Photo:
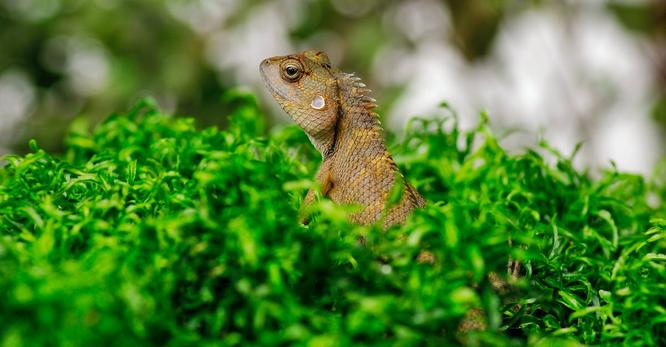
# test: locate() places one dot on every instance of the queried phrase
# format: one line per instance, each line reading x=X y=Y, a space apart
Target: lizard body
x=336 y=112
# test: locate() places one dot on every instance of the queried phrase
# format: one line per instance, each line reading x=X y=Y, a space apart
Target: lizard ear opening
x=318 y=102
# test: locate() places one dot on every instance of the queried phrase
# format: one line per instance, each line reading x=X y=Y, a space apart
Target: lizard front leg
x=325 y=183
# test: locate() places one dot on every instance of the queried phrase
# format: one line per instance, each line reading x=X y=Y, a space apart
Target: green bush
x=150 y=232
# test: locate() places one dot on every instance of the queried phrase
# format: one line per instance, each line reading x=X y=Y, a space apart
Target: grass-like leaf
x=151 y=232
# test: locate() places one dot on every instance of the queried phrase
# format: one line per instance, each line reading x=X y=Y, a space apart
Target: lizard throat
x=336 y=130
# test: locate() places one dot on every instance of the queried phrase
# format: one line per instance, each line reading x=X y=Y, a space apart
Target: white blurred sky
x=579 y=78
x=572 y=78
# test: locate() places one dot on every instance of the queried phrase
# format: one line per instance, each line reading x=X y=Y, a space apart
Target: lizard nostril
x=264 y=65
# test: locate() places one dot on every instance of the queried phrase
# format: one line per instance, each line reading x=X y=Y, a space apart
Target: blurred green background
x=592 y=71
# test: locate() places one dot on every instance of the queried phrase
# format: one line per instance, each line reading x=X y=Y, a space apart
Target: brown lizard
x=336 y=112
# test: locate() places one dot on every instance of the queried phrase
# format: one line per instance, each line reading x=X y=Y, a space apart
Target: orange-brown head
x=304 y=85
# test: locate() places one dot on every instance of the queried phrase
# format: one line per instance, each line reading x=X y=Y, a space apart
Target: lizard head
x=304 y=85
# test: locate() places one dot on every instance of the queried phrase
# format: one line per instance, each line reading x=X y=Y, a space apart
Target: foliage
x=150 y=232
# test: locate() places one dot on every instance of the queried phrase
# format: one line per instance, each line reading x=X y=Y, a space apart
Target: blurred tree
x=475 y=24
x=94 y=57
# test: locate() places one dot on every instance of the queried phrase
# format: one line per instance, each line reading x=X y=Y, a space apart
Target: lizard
x=335 y=110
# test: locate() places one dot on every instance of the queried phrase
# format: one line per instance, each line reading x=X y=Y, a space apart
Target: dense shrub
x=150 y=232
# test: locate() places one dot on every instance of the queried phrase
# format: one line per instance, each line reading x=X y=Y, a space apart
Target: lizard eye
x=291 y=72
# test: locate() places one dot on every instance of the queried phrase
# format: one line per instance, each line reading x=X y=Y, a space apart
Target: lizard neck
x=358 y=132
x=324 y=143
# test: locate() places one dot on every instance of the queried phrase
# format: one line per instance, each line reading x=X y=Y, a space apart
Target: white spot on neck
x=318 y=102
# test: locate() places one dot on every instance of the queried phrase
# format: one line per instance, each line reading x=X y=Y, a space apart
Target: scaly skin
x=336 y=113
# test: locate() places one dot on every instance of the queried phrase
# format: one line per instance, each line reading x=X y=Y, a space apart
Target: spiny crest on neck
x=355 y=93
